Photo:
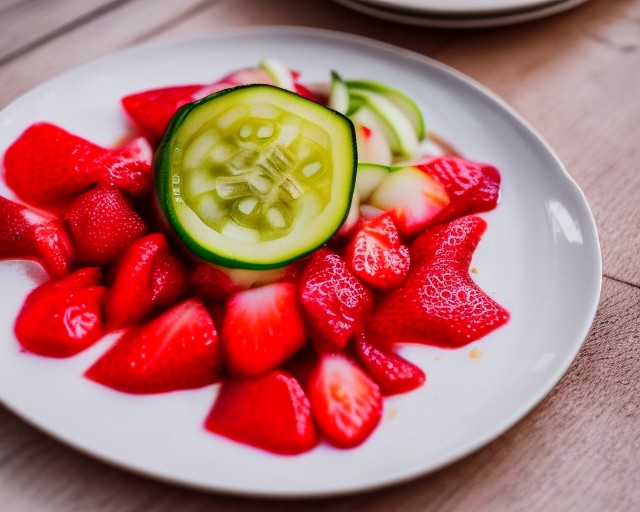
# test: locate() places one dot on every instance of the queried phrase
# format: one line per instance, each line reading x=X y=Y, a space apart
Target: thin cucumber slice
x=368 y=178
x=338 y=94
x=398 y=98
x=279 y=73
x=255 y=177
x=398 y=129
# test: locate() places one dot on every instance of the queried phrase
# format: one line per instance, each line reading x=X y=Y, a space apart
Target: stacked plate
x=460 y=13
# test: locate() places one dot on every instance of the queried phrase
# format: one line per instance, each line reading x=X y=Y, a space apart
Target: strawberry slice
x=334 y=302
x=346 y=403
x=209 y=282
x=393 y=373
x=262 y=328
x=376 y=255
x=414 y=198
x=270 y=412
x=148 y=278
x=25 y=233
x=103 y=224
x=471 y=186
x=62 y=317
x=439 y=303
x=177 y=350
x=48 y=167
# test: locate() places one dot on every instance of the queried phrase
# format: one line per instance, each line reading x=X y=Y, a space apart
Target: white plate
x=460 y=22
x=540 y=258
x=460 y=7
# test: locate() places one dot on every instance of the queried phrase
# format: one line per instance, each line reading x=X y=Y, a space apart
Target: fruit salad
x=273 y=239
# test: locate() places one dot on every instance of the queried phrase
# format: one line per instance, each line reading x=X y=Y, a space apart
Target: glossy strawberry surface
x=439 y=303
x=270 y=412
x=176 y=350
x=62 y=317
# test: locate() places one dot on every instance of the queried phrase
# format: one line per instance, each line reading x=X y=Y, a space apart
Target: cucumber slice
x=398 y=98
x=396 y=127
x=279 y=73
x=338 y=94
x=255 y=176
x=368 y=178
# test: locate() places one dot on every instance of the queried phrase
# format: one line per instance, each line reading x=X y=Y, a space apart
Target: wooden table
x=576 y=78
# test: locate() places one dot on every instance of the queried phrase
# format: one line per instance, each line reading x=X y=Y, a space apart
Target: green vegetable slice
x=255 y=177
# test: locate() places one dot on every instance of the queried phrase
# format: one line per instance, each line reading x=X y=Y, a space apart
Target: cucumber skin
x=162 y=184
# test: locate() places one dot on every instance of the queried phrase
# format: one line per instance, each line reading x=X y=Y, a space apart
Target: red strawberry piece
x=334 y=302
x=62 y=317
x=346 y=403
x=393 y=373
x=48 y=166
x=472 y=187
x=376 y=255
x=210 y=282
x=129 y=168
x=103 y=224
x=25 y=233
x=152 y=110
x=439 y=304
x=148 y=278
x=270 y=412
x=262 y=328
x=176 y=350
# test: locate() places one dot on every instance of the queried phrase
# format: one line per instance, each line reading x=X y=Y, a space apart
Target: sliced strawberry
x=439 y=303
x=48 y=166
x=334 y=302
x=25 y=233
x=376 y=255
x=346 y=403
x=270 y=412
x=62 y=317
x=152 y=110
x=262 y=328
x=177 y=350
x=209 y=282
x=393 y=373
x=472 y=187
x=129 y=168
x=414 y=198
x=148 y=278
x=103 y=224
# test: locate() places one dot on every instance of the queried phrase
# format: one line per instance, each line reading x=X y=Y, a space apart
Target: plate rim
x=412 y=473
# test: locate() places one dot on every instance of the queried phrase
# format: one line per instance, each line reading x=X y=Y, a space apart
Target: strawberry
x=62 y=317
x=393 y=373
x=414 y=198
x=376 y=255
x=270 y=412
x=176 y=350
x=103 y=224
x=209 y=282
x=346 y=403
x=261 y=329
x=472 y=187
x=439 y=304
x=25 y=233
x=334 y=302
x=148 y=278
x=48 y=167
x=152 y=110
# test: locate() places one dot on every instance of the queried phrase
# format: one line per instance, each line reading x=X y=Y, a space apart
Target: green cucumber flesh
x=279 y=73
x=368 y=178
x=399 y=131
x=403 y=101
x=255 y=177
x=338 y=94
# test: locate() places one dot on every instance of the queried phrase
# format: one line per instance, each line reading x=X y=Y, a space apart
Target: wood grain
x=575 y=78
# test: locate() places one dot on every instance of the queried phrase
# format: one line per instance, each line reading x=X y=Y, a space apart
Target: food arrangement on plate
x=273 y=237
